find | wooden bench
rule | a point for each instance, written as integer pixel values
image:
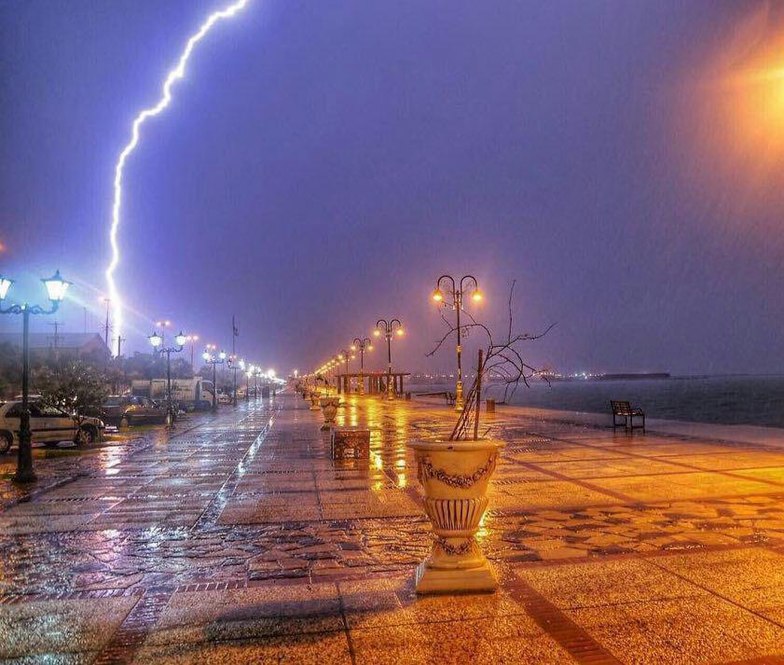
(622, 409)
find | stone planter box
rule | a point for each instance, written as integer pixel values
(350, 443)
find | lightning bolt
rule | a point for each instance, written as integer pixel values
(174, 75)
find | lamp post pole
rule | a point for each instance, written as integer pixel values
(345, 356)
(156, 340)
(214, 359)
(457, 304)
(56, 287)
(360, 344)
(193, 339)
(388, 328)
(234, 364)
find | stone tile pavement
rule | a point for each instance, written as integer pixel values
(237, 539)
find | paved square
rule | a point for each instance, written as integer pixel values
(238, 539)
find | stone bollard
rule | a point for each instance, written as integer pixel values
(490, 406)
(350, 443)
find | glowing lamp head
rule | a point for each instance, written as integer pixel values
(477, 295)
(271, 373)
(180, 339)
(370, 347)
(206, 355)
(376, 333)
(400, 332)
(56, 287)
(353, 347)
(156, 340)
(5, 284)
(438, 295)
(242, 364)
(222, 355)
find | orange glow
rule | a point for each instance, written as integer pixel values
(376, 332)
(400, 332)
(477, 295)
(437, 295)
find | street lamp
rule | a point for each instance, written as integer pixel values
(211, 357)
(234, 364)
(56, 287)
(249, 372)
(362, 344)
(388, 329)
(193, 339)
(157, 343)
(163, 325)
(456, 294)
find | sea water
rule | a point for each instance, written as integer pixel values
(732, 400)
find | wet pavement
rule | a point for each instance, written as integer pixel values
(238, 539)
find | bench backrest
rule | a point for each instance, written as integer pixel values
(621, 408)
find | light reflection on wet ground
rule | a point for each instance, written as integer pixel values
(241, 539)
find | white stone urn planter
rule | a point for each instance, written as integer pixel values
(455, 476)
(329, 408)
(314, 398)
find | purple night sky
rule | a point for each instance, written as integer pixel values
(323, 162)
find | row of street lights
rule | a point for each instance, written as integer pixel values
(212, 356)
(389, 329)
(450, 293)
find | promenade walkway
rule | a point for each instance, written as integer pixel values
(238, 540)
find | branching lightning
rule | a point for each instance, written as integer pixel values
(174, 75)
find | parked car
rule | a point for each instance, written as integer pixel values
(49, 425)
(132, 410)
(224, 398)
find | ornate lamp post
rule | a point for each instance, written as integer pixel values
(456, 294)
(388, 329)
(249, 372)
(362, 344)
(211, 357)
(157, 343)
(345, 356)
(235, 364)
(163, 325)
(192, 339)
(56, 287)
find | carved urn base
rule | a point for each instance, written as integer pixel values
(455, 476)
(329, 409)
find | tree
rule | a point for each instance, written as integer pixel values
(73, 386)
(10, 367)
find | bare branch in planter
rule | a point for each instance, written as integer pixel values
(501, 361)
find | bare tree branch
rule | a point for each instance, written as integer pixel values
(503, 362)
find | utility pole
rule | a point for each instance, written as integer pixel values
(56, 340)
(106, 325)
